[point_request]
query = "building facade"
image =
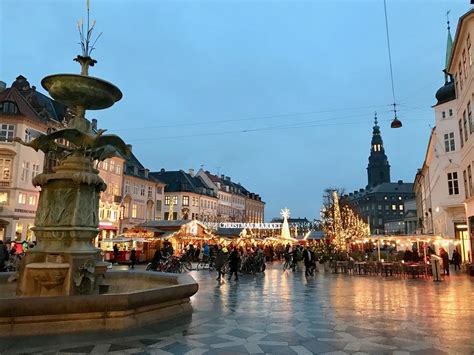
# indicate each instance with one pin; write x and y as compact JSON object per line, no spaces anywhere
{"x":25,"y":114}
{"x":235,"y":202}
{"x":381,"y":201}
{"x":111,"y":171}
{"x":142,"y":195}
{"x":460,"y":67}
{"x":187,"y":196}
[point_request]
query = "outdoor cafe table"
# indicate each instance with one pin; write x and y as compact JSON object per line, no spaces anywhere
{"x":360,"y":265}
{"x":416,"y":268}
{"x":387,"y":267}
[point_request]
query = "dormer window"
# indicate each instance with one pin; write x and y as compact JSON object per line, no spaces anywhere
{"x":377,"y":147}
{"x":9,"y":107}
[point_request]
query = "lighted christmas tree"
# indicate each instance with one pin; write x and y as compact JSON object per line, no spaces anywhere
{"x":285,"y":228}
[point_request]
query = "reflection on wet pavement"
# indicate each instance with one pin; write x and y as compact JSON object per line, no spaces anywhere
{"x":286,"y":313}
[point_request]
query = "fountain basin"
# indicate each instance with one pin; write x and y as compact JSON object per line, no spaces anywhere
{"x":135,"y":299}
{"x":86,"y":91}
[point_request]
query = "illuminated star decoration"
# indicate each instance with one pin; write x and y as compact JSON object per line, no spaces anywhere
{"x":285,"y":213}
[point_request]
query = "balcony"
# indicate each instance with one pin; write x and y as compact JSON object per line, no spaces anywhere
{"x":117,"y":199}
{"x":4,"y":183}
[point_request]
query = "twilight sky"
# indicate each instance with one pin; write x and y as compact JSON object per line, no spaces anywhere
{"x":278,"y":95}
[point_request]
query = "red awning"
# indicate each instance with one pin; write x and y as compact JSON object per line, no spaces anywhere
{"x":107,"y":228}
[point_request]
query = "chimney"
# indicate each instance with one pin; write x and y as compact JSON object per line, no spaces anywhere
{"x":227,"y":178}
{"x":130,"y":147}
{"x":94,"y":124}
{"x":3,"y":85}
{"x":400,"y":182}
{"x":222,"y":177}
{"x":191,"y":172}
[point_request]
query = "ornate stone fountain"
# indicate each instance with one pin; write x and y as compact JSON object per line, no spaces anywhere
{"x":58,"y":285}
{"x":65,"y":262}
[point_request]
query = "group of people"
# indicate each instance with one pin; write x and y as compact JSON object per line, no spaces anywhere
{"x":222,"y":257}
{"x":296,"y":254}
{"x":11,"y":253}
{"x":413,"y":256}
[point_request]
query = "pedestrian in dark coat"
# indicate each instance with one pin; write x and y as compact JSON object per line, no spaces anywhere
{"x":456,"y":260}
{"x":445,"y":256}
{"x":220,"y":262}
{"x":234,"y":260}
{"x":133,"y":258}
{"x":308,"y":257}
{"x":116,"y":253}
{"x":4,"y":255}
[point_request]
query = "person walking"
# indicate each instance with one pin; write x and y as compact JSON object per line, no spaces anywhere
{"x":308,"y":262}
{"x":234,"y":260}
{"x":445,"y":256}
{"x":133,"y":258}
{"x":456,"y":260}
{"x":4,"y":255}
{"x":219,"y":264}
{"x":116,"y":254}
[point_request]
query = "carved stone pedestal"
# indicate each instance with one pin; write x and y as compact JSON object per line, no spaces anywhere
{"x":65,"y":225}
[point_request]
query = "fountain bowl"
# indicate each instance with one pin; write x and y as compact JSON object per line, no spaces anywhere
{"x":134,"y":299}
{"x":80,"y":90}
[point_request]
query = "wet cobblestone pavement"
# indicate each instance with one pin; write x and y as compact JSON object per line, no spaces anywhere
{"x":287,"y":313}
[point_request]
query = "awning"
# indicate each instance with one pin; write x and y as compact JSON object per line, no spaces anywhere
{"x":107,"y":227}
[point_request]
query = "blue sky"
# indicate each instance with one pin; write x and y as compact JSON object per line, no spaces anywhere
{"x":279,"y":95}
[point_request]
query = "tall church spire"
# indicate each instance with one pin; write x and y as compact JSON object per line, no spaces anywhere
{"x":449,"y":47}
{"x":447,"y":92}
{"x":378,"y":170}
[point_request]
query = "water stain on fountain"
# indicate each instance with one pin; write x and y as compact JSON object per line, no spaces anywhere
{"x":62,"y":276}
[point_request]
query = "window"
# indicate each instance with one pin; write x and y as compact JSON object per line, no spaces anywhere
{"x":469,"y":117}
{"x":449,"y":145}
{"x":22,"y":198}
{"x":7,"y":133}
{"x":112,"y":166}
{"x":175,"y":200}
{"x":134,"y":210}
{"x":25,"y":170}
{"x":385,"y":198}
{"x":3,"y":197}
{"x":469,"y":53}
{"x":453,"y":185}
{"x":135,"y":189}
{"x":460,"y":133}
{"x":450,"y":112}
{"x":464,"y":120}
{"x":465,"y":184}
{"x":394,"y":207}
{"x":118,"y":169}
{"x":9,"y":107}
{"x":167,"y":200}
{"x":460,"y":74}
{"x":185,"y":200}
{"x":142,"y":190}
{"x":32,"y":200}
{"x":159,"y":190}
{"x":27,"y":136}
{"x":387,"y":207}
{"x":443,"y":114}
{"x":105,"y":165}
{"x":150,"y":192}
{"x":127,"y":186}
{"x":469,"y":176}
{"x":158,"y":205}
{"x":400,"y":207}
{"x":34,"y":170}
{"x":464,"y":63}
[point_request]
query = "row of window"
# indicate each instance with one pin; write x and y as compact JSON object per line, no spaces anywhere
{"x":464,"y":132}
{"x":450,"y":113}
{"x":110,"y":165}
{"x":380,"y":207}
{"x":23,"y":198}
{"x":462,"y":65}
{"x":108,"y":214}
{"x":138,"y":190}
{"x":468,"y":188}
